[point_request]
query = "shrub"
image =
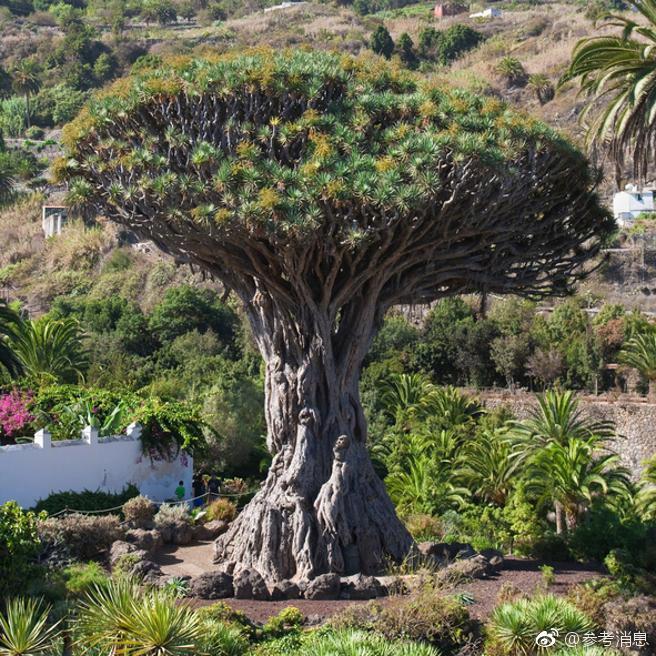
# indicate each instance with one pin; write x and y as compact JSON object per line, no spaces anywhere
{"x":513,"y":627}
{"x":222,"y":509}
{"x":329,"y":643}
{"x":222,"y":640}
{"x":86,"y":500}
{"x":139,"y":511}
{"x":84,"y":536}
{"x":19,"y":546}
{"x":15,"y":417}
{"x":286,"y":621}
{"x":423,"y":527}
{"x":512,"y":71}
{"x":81,"y":577}
{"x":170,"y":515}
{"x":426,"y":615}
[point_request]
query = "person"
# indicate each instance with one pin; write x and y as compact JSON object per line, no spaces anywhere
{"x":180,"y":491}
{"x":199,"y":489}
{"x":213,"y":487}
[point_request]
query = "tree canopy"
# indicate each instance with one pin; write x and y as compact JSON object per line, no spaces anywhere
{"x":239,"y":160}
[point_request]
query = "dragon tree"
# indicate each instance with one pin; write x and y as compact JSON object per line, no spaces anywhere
{"x":322,"y":190}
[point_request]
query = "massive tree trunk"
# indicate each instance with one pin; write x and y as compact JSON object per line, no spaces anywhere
{"x":322,"y":507}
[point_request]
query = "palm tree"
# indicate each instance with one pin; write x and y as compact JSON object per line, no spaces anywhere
{"x":490,"y":467}
{"x":646,"y":497}
{"x":543,"y":87}
{"x":9,"y":322}
{"x":50,"y":349}
{"x":571,"y":477}
{"x":24,"y":629}
{"x":620,"y":72}
{"x":640,"y":352}
{"x":556,"y":423}
{"x":6,"y":177}
{"x":558,"y":418}
{"x":403,"y":394}
{"x":512,"y":71}
{"x":25,"y":80}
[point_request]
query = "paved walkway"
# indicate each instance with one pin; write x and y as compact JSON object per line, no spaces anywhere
{"x":190,"y":560}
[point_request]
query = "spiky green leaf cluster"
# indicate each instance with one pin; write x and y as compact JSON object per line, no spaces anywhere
{"x":268,"y":140}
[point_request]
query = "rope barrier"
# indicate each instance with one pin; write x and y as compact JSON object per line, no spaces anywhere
{"x":206,"y":495}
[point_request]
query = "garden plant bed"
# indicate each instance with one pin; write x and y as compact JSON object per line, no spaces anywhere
{"x":523,"y":574}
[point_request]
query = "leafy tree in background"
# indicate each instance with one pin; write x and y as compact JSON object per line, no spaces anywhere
{"x":381,"y":42}
{"x":406,"y":50}
{"x":321,"y":209}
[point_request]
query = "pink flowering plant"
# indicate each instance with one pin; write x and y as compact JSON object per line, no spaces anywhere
{"x":16,"y":420}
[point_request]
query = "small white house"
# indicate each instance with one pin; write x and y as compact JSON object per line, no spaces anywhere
{"x":490,"y":12}
{"x":284,"y":5}
{"x":630,"y":203}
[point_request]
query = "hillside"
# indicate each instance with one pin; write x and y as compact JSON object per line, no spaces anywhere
{"x":97,"y":260}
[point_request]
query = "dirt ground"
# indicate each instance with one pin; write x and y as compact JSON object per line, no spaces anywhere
{"x":522,"y":573}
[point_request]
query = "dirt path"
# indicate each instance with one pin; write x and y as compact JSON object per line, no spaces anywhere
{"x":521,"y":573}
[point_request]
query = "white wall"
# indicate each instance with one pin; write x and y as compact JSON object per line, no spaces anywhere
{"x":29,"y":472}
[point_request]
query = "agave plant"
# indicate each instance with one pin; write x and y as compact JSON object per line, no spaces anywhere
{"x":514,"y":626}
{"x":361,"y":643}
{"x":24,"y":629}
{"x":122,"y":620}
{"x":619,"y":72}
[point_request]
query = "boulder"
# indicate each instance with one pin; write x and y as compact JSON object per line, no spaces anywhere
{"x":211,"y":585}
{"x":360,"y":587}
{"x":392,"y":585}
{"x":249,"y":584}
{"x":324,"y":586}
{"x":284,"y":589}
{"x":177,"y":533}
{"x":494,"y":557}
{"x":463,"y":569}
{"x":210,"y":530}
{"x":146,"y":570}
{"x":149,"y":541}
{"x":119,"y":549}
{"x":465,"y":551}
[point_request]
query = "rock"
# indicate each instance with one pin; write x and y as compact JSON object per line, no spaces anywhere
{"x":284,"y":589}
{"x":465,"y":551}
{"x":211,"y":585}
{"x":494,"y":557}
{"x":177,"y":533}
{"x":249,"y":584}
{"x":120,"y":548}
{"x":360,"y":587}
{"x":149,"y":541}
{"x":464,"y":569}
{"x":324,"y":586}
{"x":181,"y":533}
{"x":147,"y":570}
{"x":391,"y":585}
{"x":210,"y":530}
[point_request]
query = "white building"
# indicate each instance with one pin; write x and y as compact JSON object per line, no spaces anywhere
{"x":630,"y":203}
{"x":490,"y":12}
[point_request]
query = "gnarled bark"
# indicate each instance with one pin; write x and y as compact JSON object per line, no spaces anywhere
{"x":322,"y":507}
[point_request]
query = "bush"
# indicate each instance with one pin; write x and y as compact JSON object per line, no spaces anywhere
{"x":286,"y":621}
{"x":82,"y":577}
{"x":222,"y":509}
{"x":426,"y":615}
{"x":513,"y":627}
{"x":139,"y":512}
{"x":19,"y":546}
{"x":170,"y":515}
{"x":330,"y":643}
{"x":84,"y":537}
{"x":423,"y":527}
{"x":86,"y":500}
